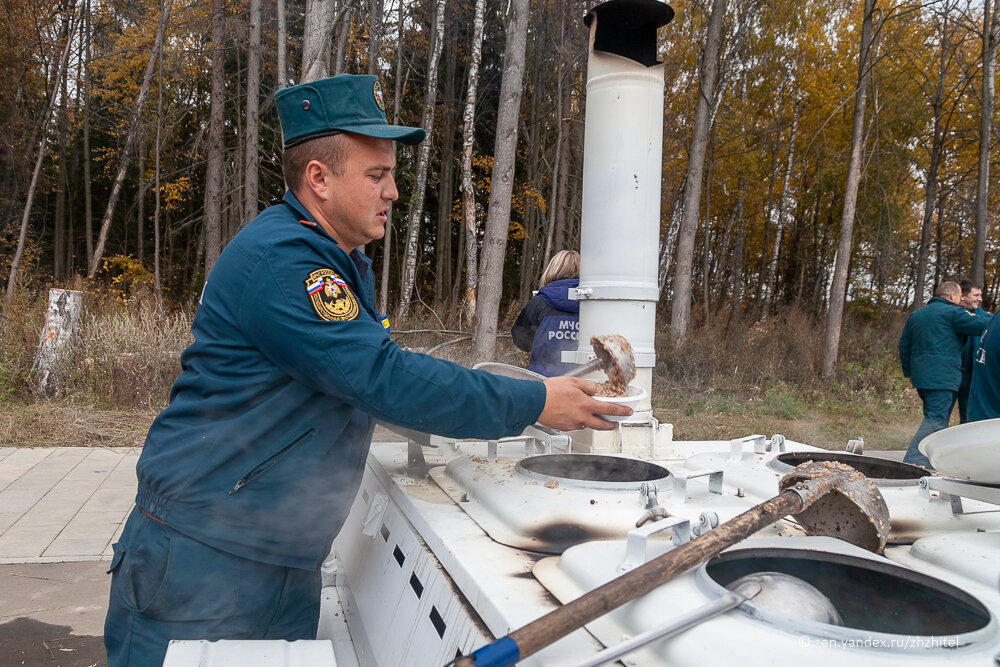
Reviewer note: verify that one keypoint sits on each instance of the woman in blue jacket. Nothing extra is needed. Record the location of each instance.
(550, 322)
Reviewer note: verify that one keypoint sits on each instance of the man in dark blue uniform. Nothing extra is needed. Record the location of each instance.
(972, 298)
(930, 351)
(246, 477)
(984, 395)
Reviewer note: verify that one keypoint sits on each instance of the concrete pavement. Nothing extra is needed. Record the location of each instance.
(61, 508)
(62, 504)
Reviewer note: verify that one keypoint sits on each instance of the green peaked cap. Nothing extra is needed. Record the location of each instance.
(342, 103)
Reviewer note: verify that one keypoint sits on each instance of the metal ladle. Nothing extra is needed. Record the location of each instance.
(827, 498)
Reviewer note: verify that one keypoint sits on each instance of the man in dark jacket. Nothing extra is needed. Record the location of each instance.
(930, 351)
(984, 396)
(246, 477)
(972, 298)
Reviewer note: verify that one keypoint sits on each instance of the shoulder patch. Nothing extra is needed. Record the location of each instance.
(330, 296)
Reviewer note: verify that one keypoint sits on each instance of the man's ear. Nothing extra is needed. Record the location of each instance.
(315, 178)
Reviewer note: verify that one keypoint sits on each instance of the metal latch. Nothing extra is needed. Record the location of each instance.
(761, 445)
(635, 545)
(953, 490)
(681, 532)
(681, 482)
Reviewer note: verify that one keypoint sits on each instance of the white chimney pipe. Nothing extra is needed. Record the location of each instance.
(622, 165)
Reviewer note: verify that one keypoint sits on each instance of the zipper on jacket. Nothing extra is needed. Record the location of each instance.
(268, 463)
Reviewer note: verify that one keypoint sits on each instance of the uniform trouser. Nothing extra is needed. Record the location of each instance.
(938, 404)
(167, 586)
(963, 396)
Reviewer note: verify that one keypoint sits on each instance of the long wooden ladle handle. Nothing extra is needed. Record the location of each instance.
(555, 625)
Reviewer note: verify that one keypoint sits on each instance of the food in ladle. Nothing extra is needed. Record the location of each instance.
(620, 367)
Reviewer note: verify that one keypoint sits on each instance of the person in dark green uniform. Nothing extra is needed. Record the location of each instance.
(247, 475)
(930, 351)
(972, 298)
(984, 394)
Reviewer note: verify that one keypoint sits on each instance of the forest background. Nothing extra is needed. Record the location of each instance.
(825, 165)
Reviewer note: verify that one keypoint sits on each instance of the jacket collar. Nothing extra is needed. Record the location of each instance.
(362, 262)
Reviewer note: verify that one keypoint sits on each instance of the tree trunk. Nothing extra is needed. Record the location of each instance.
(345, 18)
(415, 217)
(88, 206)
(838, 290)
(69, 26)
(140, 195)
(784, 209)
(215, 143)
(680, 312)
(282, 48)
(991, 28)
(376, 11)
(501, 184)
(930, 194)
(316, 40)
(60, 223)
(251, 176)
(442, 259)
(396, 106)
(157, 276)
(130, 138)
(61, 319)
(468, 193)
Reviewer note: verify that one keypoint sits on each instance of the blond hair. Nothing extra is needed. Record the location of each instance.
(948, 288)
(564, 264)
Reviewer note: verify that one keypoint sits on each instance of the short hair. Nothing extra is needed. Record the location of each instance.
(946, 288)
(564, 264)
(330, 150)
(967, 286)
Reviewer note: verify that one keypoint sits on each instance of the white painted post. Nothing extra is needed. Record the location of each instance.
(61, 319)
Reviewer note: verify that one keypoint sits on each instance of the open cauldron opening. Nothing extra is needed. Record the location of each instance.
(869, 466)
(594, 468)
(869, 595)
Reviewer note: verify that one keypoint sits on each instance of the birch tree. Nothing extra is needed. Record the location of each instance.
(396, 106)
(936, 151)
(316, 35)
(680, 312)
(423, 161)
(131, 138)
(501, 184)
(991, 32)
(69, 26)
(838, 289)
(468, 193)
(282, 54)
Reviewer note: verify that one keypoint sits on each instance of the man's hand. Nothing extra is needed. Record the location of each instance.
(569, 406)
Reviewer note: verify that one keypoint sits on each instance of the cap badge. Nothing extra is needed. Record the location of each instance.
(330, 296)
(377, 92)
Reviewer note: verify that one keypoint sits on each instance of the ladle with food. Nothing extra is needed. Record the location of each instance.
(615, 358)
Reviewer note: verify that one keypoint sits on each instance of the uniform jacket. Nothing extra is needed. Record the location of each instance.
(984, 396)
(930, 349)
(547, 325)
(261, 450)
(970, 347)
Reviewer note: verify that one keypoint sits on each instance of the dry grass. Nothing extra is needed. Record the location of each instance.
(58, 424)
(733, 378)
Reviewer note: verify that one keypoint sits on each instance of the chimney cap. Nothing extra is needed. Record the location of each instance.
(628, 28)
